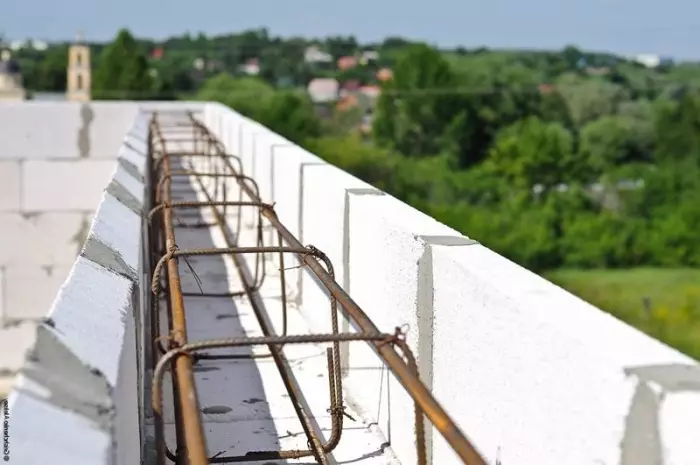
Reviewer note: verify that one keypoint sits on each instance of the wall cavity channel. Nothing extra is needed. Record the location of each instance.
(76, 398)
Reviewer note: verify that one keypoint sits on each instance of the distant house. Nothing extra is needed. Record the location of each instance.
(648, 60)
(323, 90)
(369, 56)
(347, 102)
(546, 88)
(349, 87)
(597, 70)
(347, 62)
(11, 87)
(17, 45)
(372, 92)
(385, 74)
(314, 54)
(39, 45)
(364, 103)
(157, 53)
(251, 67)
(652, 61)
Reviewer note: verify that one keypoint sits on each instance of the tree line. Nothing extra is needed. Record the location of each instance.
(552, 158)
(551, 163)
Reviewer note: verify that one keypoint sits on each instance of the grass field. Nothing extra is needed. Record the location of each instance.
(671, 312)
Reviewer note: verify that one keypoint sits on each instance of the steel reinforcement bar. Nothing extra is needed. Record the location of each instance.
(175, 353)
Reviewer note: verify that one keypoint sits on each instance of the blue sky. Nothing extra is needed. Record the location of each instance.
(669, 27)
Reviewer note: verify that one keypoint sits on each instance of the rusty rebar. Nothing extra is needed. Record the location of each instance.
(192, 431)
(400, 368)
(318, 448)
(402, 365)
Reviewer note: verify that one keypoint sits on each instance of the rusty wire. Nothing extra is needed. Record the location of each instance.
(180, 354)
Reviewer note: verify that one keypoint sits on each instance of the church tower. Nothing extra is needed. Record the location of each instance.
(79, 75)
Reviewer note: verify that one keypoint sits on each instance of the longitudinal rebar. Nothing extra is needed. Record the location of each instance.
(173, 351)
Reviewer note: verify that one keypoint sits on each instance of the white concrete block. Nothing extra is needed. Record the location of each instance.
(89, 312)
(128, 155)
(34, 130)
(15, 341)
(538, 366)
(108, 124)
(29, 290)
(126, 395)
(244, 148)
(227, 128)
(385, 252)
(128, 187)
(137, 142)
(234, 128)
(10, 185)
(118, 228)
(324, 224)
(43, 238)
(64, 185)
(265, 147)
(83, 363)
(285, 167)
(42, 433)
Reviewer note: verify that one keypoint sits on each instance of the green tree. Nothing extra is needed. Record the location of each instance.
(350, 153)
(678, 128)
(602, 240)
(248, 96)
(51, 70)
(123, 71)
(416, 113)
(291, 115)
(588, 99)
(534, 246)
(532, 152)
(613, 140)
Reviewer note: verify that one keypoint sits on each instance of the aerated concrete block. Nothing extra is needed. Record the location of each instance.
(62, 404)
(10, 185)
(64, 185)
(40, 131)
(42, 238)
(16, 339)
(114, 238)
(324, 192)
(29, 290)
(108, 124)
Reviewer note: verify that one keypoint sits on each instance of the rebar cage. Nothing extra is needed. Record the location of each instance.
(220, 177)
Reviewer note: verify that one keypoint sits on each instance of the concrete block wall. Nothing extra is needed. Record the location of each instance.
(71, 366)
(532, 374)
(75, 400)
(55, 160)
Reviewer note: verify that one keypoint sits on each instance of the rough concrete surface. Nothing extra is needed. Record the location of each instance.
(82, 361)
(10, 185)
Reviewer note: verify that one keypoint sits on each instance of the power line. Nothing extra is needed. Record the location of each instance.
(534, 89)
